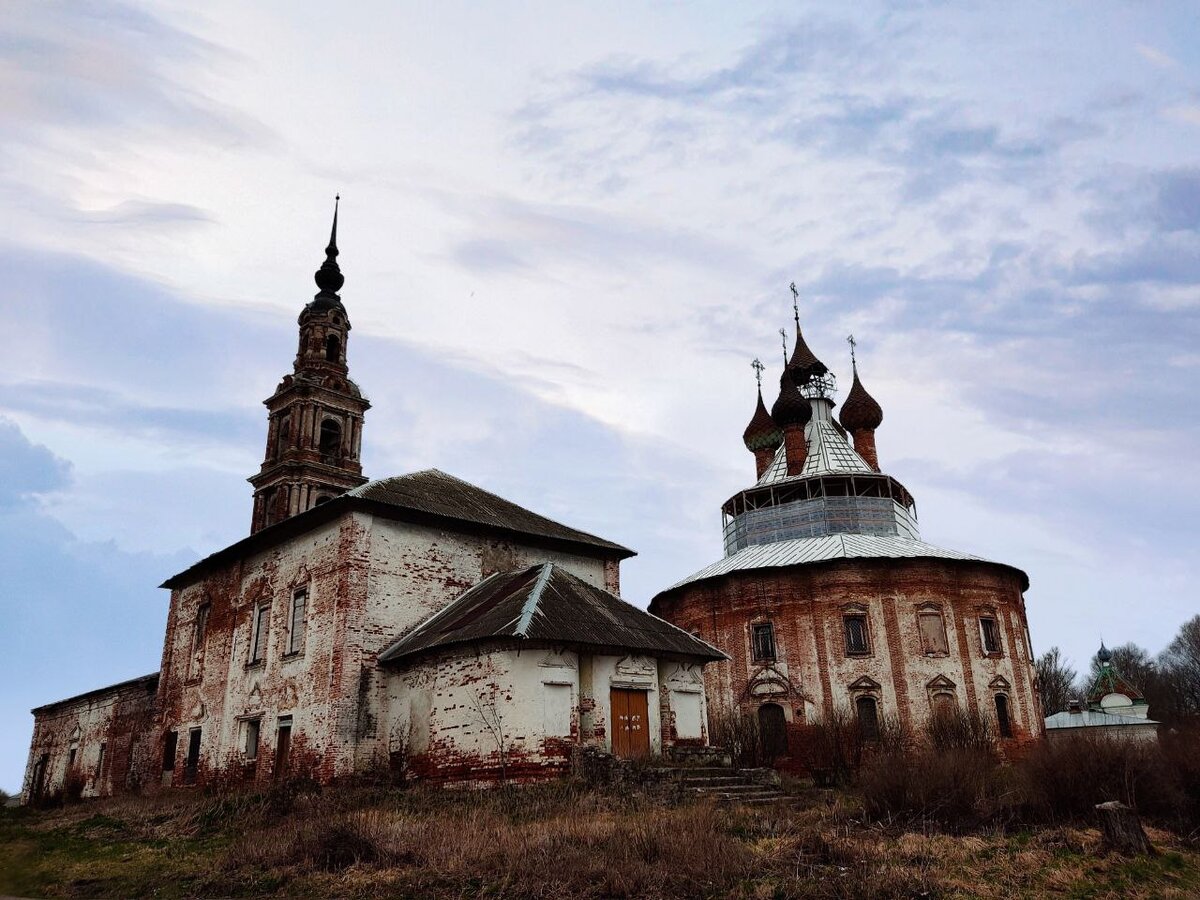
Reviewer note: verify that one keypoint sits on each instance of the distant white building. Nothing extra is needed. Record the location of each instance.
(1114, 708)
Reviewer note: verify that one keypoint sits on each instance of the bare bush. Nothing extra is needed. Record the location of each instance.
(957, 788)
(959, 729)
(741, 735)
(834, 748)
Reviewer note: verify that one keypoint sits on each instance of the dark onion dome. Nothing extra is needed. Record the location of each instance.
(804, 363)
(1104, 654)
(329, 277)
(792, 407)
(762, 433)
(860, 412)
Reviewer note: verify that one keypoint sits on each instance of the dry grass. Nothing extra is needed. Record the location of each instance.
(548, 841)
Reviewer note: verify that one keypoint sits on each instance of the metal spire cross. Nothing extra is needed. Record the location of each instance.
(783, 340)
(758, 367)
(796, 305)
(853, 343)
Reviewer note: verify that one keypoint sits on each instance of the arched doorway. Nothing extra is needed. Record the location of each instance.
(772, 730)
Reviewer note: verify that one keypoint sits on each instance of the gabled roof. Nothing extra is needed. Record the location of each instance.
(428, 497)
(547, 603)
(147, 683)
(1109, 681)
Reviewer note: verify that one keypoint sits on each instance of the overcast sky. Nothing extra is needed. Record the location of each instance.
(566, 230)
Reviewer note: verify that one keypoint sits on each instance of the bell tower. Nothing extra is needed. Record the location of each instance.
(315, 416)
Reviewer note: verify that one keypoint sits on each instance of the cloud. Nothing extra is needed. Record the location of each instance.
(27, 468)
(1155, 57)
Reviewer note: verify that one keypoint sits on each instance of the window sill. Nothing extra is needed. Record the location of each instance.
(257, 664)
(295, 654)
(993, 654)
(859, 654)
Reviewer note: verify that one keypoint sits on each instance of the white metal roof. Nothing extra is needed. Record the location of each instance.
(1089, 718)
(800, 551)
(828, 452)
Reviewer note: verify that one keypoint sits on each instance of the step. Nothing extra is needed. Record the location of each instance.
(713, 780)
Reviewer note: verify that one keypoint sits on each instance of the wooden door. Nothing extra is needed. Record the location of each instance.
(283, 747)
(772, 729)
(630, 725)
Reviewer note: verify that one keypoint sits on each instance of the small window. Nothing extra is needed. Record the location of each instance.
(258, 637)
(1002, 717)
(857, 642)
(296, 621)
(170, 745)
(284, 437)
(253, 727)
(71, 757)
(933, 632)
(990, 633)
(868, 718)
(331, 438)
(201, 628)
(762, 640)
(100, 760)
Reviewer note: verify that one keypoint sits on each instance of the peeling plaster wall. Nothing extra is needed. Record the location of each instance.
(813, 673)
(115, 718)
(454, 715)
(369, 580)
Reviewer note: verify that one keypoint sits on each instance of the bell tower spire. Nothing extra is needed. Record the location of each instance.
(315, 416)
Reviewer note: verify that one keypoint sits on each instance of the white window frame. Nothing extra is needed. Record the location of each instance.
(297, 625)
(259, 633)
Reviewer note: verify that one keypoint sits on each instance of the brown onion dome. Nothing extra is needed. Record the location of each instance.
(792, 407)
(762, 433)
(860, 412)
(804, 363)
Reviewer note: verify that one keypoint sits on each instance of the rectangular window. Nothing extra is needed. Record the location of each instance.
(1002, 718)
(558, 707)
(191, 765)
(201, 628)
(857, 642)
(169, 747)
(762, 640)
(71, 757)
(990, 633)
(933, 632)
(253, 727)
(100, 760)
(258, 636)
(296, 623)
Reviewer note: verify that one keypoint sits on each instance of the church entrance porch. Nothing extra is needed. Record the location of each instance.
(630, 729)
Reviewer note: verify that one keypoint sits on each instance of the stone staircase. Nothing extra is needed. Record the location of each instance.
(729, 785)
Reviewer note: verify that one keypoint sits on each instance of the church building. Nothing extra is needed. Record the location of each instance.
(828, 602)
(416, 622)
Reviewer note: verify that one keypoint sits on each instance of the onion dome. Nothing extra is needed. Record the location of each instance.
(1104, 655)
(860, 412)
(792, 407)
(329, 277)
(762, 433)
(804, 364)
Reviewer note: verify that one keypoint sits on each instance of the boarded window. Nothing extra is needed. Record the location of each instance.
(296, 623)
(990, 633)
(868, 718)
(100, 760)
(258, 637)
(944, 705)
(686, 705)
(762, 641)
(201, 628)
(1002, 717)
(857, 642)
(558, 708)
(170, 745)
(253, 727)
(933, 632)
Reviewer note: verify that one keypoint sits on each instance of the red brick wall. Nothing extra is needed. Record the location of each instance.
(813, 672)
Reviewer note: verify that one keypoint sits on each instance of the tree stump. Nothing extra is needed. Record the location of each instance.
(1122, 829)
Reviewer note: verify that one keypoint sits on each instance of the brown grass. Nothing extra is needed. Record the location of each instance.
(549, 841)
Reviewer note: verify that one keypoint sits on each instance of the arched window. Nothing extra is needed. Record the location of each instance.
(331, 438)
(1002, 717)
(933, 632)
(284, 436)
(772, 729)
(868, 717)
(333, 348)
(324, 498)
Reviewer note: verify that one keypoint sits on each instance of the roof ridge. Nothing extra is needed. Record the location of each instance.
(535, 597)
